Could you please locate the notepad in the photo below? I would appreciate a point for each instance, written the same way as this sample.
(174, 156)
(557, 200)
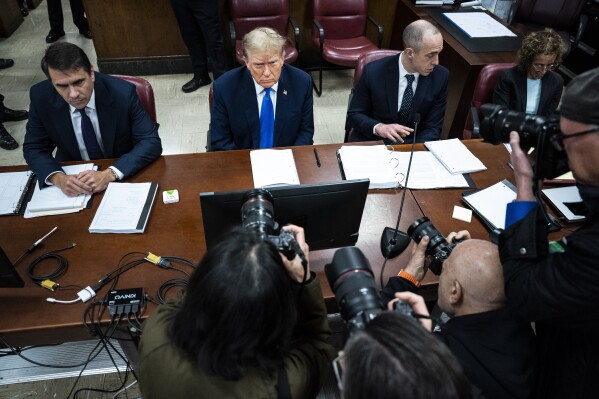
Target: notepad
(455, 156)
(273, 168)
(490, 203)
(125, 208)
(51, 200)
(13, 189)
(388, 169)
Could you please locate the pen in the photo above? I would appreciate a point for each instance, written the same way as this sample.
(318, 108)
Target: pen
(317, 159)
(38, 242)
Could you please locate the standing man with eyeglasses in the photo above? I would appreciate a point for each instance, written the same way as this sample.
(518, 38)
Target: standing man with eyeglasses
(265, 103)
(557, 286)
(530, 86)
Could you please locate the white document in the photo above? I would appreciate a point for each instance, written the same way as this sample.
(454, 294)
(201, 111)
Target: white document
(373, 162)
(388, 169)
(561, 196)
(13, 186)
(125, 208)
(273, 168)
(490, 203)
(427, 172)
(478, 24)
(455, 156)
(52, 201)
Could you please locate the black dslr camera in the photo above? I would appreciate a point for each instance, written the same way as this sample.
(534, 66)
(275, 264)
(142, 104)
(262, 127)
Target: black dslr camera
(257, 215)
(352, 280)
(535, 131)
(438, 248)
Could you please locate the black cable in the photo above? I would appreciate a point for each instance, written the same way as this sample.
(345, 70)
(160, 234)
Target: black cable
(17, 353)
(61, 268)
(166, 286)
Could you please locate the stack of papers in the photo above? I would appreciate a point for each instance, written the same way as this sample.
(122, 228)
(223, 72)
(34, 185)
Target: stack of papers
(455, 156)
(273, 168)
(388, 169)
(52, 201)
(125, 208)
(429, 2)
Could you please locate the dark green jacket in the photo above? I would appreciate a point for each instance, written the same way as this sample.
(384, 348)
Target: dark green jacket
(164, 372)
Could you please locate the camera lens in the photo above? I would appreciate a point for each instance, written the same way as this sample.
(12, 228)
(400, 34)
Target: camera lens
(437, 247)
(352, 281)
(257, 212)
(498, 122)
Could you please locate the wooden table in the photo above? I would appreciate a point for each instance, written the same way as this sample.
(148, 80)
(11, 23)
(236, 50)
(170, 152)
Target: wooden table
(463, 65)
(174, 229)
(177, 230)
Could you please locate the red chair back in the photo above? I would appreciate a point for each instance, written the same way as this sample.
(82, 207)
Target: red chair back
(341, 19)
(247, 15)
(369, 57)
(250, 14)
(557, 14)
(144, 92)
(483, 90)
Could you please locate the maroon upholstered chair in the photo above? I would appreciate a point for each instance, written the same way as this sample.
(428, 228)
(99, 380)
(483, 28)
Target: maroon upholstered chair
(247, 15)
(483, 94)
(362, 61)
(144, 92)
(561, 15)
(339, 31)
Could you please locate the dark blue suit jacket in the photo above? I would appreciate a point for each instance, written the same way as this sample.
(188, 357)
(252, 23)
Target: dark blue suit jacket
(510, 91)
(235, 123)
(127, 131)
(375, 101)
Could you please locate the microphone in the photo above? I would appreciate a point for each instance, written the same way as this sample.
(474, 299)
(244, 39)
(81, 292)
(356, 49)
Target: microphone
(394, 241)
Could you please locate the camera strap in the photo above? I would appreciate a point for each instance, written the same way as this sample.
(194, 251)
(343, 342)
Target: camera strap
(283, 389)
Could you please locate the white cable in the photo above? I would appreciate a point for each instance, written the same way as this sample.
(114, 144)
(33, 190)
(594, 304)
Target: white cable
(57, 301)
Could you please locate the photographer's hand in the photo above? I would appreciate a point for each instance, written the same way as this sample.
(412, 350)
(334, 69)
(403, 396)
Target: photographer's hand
(522, 170)
(461, 235)
(418, 307)
(418, 265)
(294, 267)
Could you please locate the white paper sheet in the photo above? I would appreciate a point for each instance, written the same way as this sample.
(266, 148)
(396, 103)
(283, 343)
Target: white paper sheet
(478, 24)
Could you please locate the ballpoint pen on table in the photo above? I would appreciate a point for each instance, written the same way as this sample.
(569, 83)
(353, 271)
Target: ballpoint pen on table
(317, 158)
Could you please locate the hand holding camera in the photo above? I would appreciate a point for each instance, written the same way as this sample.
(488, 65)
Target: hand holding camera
(522, 170)
(294, 266)
(416, 305)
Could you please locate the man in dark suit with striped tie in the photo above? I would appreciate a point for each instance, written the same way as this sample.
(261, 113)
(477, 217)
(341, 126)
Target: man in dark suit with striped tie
(85, 115)
(392, 90)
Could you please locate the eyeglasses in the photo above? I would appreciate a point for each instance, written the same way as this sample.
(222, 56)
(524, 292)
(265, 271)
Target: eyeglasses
(558, 139)
(338, 370)
(542, 67)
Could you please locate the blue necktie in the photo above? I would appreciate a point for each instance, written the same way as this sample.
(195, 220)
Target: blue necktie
(89, 137)
(267, 121)
(406, 101)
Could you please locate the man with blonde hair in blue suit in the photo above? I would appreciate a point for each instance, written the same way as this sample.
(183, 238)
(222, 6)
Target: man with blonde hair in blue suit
(265, 103)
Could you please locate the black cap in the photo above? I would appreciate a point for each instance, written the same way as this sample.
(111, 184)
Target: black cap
(580, 101)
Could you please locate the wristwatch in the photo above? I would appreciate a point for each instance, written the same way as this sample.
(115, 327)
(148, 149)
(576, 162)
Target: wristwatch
(116, 176)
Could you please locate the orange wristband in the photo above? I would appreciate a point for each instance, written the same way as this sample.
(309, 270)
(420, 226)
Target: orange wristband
(403, 274)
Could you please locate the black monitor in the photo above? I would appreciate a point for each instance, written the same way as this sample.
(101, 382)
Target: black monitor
(330, 213)
(9, 278)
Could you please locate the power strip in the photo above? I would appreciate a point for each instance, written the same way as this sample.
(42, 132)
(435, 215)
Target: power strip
(125, 302)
